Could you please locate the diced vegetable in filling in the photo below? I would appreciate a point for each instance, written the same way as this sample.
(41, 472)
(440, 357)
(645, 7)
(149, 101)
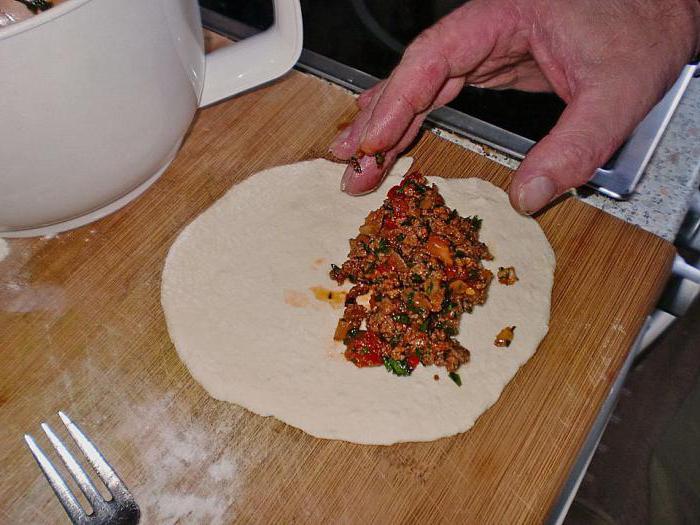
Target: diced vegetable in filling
(505, 336)
(507, 275)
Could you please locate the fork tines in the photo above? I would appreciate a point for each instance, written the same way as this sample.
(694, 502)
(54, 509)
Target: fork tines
(120, 508)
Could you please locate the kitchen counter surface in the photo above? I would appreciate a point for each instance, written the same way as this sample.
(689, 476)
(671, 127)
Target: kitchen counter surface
(671, 178)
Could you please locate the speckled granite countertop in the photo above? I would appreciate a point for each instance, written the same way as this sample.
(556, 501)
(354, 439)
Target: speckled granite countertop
(671, 178)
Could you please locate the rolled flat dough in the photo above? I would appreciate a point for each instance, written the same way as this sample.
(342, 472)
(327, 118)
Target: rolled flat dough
(237, 296)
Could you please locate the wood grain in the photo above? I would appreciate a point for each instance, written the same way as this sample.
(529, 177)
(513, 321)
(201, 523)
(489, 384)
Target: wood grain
(81, 329)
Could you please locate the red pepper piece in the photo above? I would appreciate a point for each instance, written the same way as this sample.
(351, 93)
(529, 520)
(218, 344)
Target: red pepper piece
(413, 361)
(390, 223)
(393, 193)
(366, 350)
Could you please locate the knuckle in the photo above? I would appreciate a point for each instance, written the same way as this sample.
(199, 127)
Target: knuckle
(426, 53)
(578, 149)
(423, 42)
(571, 153)
(577, 152)
(410, 103)
(427, 75)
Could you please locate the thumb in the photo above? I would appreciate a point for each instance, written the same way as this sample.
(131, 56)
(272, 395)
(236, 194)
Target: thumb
(593, 125)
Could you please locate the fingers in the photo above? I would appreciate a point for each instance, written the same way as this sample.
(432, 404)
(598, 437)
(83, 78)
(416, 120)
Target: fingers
(451, 48)
(449, 91)
(372, 175)
(430, 66)
(347, 142)
(366, 97)
(524, 76)
(430, 74)
(592, 127)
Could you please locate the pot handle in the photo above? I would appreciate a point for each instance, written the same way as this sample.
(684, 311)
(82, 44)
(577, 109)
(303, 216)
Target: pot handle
(255, 60)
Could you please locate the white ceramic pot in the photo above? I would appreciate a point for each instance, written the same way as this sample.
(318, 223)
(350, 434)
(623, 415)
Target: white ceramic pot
(96, 96)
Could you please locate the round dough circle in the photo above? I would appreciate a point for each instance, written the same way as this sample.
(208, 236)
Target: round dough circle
(237, 297)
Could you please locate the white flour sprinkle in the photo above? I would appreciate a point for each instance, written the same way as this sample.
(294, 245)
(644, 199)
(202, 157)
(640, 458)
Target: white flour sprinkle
(18, 297)
(174, 450)
(222, 470)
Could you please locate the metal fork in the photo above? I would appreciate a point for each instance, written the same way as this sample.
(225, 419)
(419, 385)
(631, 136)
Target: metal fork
(121, 509)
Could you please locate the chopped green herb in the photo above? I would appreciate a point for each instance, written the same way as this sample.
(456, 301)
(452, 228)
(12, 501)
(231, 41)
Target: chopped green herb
(335, 268)
(416, 278)
(395, 340)
(379, 159)
(424, 326)
(449, 307)
(401, 318)
(476, 221)
(451, 331)
(399, 368)
(407, 221)
(383, 246)
(416, 309)
(419, 187)
(400, 237)
(455, 377)
(453, 215)
(460, 254)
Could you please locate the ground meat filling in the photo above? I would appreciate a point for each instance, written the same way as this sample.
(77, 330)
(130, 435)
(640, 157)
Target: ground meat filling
(419, 264)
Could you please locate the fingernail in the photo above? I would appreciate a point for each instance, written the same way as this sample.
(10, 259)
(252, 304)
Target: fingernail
(340, 138)
(347, 175)
(536, 194)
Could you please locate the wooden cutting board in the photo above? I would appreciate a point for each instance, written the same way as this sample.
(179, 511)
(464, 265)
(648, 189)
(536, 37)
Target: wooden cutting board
(82, 330)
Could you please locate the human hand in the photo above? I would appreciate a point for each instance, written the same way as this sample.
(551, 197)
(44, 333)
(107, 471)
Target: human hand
(609, 61)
